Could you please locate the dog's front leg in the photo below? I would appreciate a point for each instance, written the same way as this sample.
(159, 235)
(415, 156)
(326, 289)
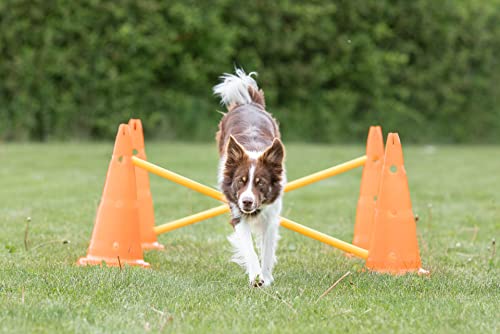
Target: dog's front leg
(270, 237)
(269, 243)
(244, 252)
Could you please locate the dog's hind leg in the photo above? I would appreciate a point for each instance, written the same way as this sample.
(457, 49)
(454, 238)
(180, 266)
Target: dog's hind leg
(244, 252)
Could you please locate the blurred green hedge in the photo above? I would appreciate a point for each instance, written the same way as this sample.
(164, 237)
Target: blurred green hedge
(76, 69)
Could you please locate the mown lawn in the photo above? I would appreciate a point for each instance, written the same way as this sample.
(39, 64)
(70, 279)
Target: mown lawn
(194, 288)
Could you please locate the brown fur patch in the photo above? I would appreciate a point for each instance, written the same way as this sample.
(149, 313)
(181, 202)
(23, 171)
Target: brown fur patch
(235, 170)
(251, 126)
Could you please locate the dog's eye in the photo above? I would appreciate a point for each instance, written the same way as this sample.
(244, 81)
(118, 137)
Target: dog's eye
(259, 182)
(242, 180)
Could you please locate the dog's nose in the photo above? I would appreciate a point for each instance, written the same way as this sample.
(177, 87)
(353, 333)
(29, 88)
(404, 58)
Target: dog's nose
(247, 203)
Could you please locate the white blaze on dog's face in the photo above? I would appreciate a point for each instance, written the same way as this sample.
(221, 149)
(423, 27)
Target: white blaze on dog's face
(252, 179)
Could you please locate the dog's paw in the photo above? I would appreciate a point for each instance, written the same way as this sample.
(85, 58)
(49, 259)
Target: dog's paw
(257, 282)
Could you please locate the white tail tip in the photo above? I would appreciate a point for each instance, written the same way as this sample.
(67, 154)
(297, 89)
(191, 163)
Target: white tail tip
(234, 88)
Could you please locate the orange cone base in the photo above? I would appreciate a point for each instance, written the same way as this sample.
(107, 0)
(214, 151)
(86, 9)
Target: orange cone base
(420, 271)
(401, 271)
(152, 246)
(113, 262)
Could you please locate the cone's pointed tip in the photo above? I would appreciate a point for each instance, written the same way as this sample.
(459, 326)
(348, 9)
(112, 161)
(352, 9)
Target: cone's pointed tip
(394, 150)
(375, 143)
(375, 134)
(123, 141)
(123, 129)
(135, 124)
(393, 139)
(375, 131)
(137, 135)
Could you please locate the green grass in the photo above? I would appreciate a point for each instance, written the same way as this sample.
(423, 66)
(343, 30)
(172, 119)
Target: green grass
(194, 288)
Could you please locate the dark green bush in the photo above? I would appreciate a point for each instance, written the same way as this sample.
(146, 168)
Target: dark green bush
(75, 69)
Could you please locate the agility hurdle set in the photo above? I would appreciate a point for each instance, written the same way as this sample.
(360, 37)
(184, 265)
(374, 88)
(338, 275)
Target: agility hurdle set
(384, 230)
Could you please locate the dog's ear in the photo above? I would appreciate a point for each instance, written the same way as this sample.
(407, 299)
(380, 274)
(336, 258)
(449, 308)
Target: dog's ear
(234, 152)
(274, 154)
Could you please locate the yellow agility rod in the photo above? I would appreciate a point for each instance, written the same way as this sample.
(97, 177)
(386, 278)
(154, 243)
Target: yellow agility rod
(309, 232)
(191, 219)
(321, 175)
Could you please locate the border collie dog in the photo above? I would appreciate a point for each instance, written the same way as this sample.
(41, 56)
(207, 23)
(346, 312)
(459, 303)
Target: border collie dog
(251, 173)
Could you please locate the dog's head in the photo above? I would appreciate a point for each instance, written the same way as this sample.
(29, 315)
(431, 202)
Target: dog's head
(251, 179)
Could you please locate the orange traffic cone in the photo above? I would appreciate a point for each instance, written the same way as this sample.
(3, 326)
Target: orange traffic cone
(116, 239)
(370, 182)
(394, 247)
(144, 198)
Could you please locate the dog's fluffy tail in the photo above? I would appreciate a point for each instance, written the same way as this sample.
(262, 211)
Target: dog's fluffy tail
(239, 89)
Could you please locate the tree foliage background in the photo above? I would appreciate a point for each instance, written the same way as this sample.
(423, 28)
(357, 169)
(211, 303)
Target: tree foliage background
(76, 69)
